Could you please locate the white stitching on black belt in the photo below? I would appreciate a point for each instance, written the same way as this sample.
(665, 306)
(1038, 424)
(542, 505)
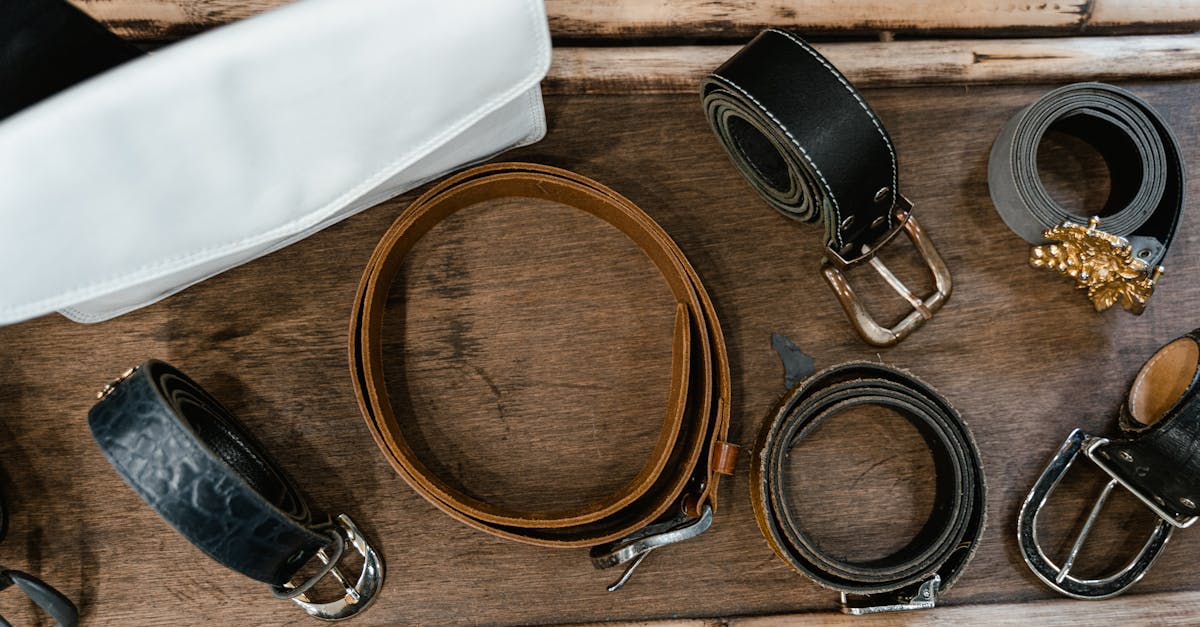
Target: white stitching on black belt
(807, 142)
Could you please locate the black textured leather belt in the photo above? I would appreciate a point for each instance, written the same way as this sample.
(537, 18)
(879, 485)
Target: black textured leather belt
(674, 495)
(49, 45)
(190, 460)
(808, 143)
(1157, 460)
(913, 577)
(1115, 252)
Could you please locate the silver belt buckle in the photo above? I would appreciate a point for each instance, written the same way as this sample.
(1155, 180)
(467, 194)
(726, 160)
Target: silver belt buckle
(637, 545)
(358, 595)
(1059, 577)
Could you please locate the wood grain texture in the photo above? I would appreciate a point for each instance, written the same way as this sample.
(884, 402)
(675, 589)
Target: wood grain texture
(679, 69)
(161, 20)
(529, 347)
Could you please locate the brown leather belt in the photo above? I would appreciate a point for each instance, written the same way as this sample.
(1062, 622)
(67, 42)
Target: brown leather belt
(675, 492)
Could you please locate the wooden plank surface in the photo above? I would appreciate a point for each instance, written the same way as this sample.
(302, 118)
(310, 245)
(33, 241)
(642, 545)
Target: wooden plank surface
(159, 20)
(679, 69)
(527, 347)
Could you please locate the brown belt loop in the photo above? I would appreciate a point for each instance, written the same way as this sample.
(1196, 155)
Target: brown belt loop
(690, 455)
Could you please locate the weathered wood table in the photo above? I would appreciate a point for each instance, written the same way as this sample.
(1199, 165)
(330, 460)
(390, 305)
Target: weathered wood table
(528, 348)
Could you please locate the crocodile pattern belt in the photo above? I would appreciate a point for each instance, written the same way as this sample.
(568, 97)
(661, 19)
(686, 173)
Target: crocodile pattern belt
(1138, 222)
(190, 460)
(808, 143)
(675, 493)
(912, 577)
(1156, 458)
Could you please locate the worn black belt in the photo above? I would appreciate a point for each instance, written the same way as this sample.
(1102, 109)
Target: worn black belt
(1157, 460)
(1116, 251)
(809, 144)
(912, 577)
(190, 460)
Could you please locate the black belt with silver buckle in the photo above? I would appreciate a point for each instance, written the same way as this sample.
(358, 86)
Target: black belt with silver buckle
(1116, 252)
(808, 143)
(1157, 460)
(913, 577)
(190, 460)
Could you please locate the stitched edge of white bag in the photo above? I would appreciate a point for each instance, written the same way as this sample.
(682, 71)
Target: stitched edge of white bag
(163, 267)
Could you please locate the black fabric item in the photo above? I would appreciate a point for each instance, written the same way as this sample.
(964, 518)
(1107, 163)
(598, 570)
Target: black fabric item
(949, 538)
(188, 458)
(1145, 164)
(805, 139)
(48, 45)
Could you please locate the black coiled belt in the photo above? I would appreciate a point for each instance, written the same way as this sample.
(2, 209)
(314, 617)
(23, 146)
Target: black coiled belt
(1147, 182)
(910, 578)
(806, 140)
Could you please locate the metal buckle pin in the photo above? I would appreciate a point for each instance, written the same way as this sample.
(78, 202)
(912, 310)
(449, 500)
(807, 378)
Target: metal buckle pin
(358, 595)
(835, 266)
(1059, 577)
(636, 546)
(924, 597)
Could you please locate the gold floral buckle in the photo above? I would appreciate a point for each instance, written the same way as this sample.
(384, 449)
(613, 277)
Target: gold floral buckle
(1099, 262)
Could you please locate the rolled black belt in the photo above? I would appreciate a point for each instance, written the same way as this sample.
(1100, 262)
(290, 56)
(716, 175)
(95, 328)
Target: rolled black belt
(49, 45)
(912, 577)
(1115, 252)
(808, 143)
(1157, 459)
(190, 460)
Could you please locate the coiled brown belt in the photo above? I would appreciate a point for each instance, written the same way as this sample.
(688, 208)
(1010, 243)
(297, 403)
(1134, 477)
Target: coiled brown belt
(674, 494)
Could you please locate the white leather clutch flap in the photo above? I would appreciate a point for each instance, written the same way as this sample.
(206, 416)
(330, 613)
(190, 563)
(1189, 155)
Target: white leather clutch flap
(172, 168)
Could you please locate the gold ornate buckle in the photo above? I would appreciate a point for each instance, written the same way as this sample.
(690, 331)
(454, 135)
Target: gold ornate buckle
(835, 265)
(1100, 262)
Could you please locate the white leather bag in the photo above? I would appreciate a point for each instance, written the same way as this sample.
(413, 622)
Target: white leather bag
(172, 168)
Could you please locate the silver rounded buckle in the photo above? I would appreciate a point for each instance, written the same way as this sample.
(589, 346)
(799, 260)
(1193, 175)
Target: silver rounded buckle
(1058, 577)
(359, 595)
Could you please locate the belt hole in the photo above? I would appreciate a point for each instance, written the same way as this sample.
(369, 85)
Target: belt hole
(883, 194)
(878, 222)
(847, 223)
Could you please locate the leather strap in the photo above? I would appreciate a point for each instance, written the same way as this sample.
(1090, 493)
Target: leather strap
(49, 45)
(1144, 160)
(947, 541)
(806, 140)
(691, 452)
(1160, 453)
(190, 460)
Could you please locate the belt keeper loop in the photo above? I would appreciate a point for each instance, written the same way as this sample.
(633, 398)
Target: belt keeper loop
(724, 457)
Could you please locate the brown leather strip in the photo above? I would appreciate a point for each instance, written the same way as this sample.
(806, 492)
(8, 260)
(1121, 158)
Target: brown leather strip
(697, 417)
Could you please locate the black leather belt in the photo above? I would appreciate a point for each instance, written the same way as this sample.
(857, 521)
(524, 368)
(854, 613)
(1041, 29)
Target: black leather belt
(1140, 218)
(913, 577)
(806, 140)
(190, 460)
(49, 45)
(53, 602)
(1157, 460)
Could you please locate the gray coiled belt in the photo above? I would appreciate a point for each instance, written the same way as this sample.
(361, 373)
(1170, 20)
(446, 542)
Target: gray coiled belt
(1146, 170)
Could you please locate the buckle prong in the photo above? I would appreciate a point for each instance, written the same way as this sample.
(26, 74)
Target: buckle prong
(358, 594)
(634, 547)
(834, 269)
(1058, 577)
